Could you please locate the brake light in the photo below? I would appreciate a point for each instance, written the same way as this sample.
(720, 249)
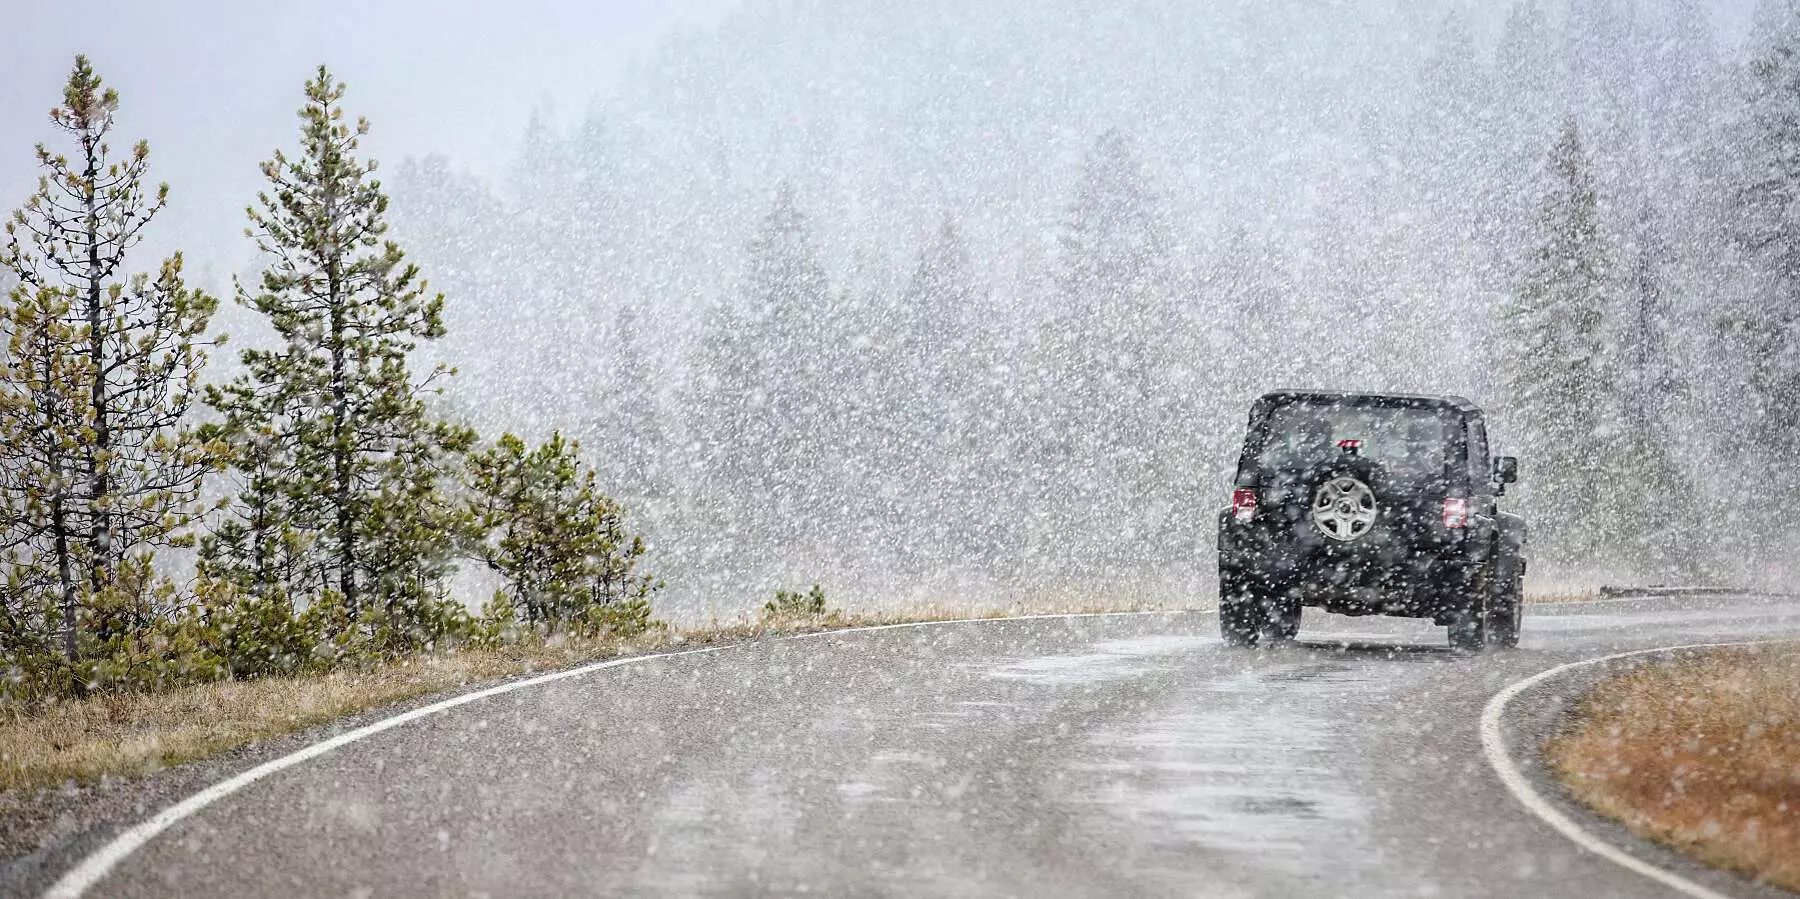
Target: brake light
(1456, 512)
(1243, 503)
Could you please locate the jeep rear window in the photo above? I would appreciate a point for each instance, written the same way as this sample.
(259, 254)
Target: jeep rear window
(1409, 441)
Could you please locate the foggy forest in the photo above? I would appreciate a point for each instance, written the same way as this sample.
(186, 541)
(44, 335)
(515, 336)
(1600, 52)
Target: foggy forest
(930, 302)
(959, 304)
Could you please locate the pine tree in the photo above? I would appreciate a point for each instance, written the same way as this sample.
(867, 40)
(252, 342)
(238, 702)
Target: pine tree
(1450, 124)
(722, 405)
(1765, 335)
(1109, 420)
(102, 370)
(1525, 87)
(760, 403)
(786, 300)
(1648, 381)
(1654, 517)
(626, 430)
(342, 462)
(455, 227)
(41, 412)
(559, 542)
(926, 398)
(1558, 370)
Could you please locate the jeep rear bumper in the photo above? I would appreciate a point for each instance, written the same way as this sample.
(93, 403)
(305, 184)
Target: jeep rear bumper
(1433, 578)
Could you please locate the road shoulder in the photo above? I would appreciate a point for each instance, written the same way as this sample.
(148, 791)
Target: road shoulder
(1519, 723)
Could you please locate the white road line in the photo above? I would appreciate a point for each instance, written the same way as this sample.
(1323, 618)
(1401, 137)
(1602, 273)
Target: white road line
(1494, 747)
(100, 862)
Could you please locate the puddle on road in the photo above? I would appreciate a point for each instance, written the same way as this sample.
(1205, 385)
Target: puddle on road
(700, 829)
(1730, 622)
(1106, 660)
(1248, 772)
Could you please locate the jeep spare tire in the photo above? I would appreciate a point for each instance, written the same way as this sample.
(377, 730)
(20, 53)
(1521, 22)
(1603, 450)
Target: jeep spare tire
(1343, 508)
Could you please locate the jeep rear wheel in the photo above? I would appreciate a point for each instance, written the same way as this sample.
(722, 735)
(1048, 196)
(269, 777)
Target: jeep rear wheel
(1468, 630)
(1281, 620)
(1468, 627)
(1240, 620)
(1505, 603)
(1246, 617)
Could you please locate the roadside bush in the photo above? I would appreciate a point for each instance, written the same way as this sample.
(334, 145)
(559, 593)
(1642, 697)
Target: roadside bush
(137, 633)
(258, 635)
(423, 623)
(537, 517)
(418, 624)
(787, 605)
(168, 652)
(498, 624)
(624, 619)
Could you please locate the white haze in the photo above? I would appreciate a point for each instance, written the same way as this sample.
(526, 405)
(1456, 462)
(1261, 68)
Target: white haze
(563, 170)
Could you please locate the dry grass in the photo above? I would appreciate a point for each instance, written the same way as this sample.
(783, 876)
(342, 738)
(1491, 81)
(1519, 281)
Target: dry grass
(134, 734)
(1702, 754)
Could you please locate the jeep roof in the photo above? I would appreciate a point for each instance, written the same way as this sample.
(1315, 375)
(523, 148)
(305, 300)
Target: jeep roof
(1457, 403)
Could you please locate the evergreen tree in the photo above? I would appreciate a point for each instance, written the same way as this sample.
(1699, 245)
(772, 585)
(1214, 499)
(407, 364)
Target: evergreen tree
(626, 429)
(559, 541)
(1772, 24)
(1648, 381)
(787, 302)
(342, 462)
(1656, 516)
(454, 227)
(595, 204)
(1526, 80)
(1450, 119)
(720, 402)
(1764, 335)
(41, 412)
(101, 467)
(761, 404)
(1597, 49)
(1557, 368)
(930, 397)
(1110, 422)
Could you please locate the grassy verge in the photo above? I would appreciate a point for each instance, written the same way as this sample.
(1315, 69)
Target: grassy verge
(1702, 754)
(134, 734)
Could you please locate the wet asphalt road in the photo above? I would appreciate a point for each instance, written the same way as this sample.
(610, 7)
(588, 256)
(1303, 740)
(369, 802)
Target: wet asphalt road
(1097, 756)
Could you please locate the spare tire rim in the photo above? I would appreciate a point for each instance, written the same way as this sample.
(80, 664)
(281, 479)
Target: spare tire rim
(1343, 508)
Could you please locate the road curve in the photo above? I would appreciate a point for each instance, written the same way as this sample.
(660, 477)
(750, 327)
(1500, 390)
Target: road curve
(1114, 755)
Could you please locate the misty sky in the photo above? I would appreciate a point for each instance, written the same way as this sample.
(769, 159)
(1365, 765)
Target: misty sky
(213, 84)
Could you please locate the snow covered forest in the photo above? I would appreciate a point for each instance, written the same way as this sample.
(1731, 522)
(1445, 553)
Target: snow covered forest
(926, 302)
(937, 301)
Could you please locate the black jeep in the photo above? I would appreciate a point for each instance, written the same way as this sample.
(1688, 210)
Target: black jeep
(1370, 505)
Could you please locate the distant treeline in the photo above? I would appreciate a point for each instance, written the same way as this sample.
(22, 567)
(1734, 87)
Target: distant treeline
(930, 328)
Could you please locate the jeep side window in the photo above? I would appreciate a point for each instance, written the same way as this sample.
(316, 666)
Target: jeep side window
(1480, 469)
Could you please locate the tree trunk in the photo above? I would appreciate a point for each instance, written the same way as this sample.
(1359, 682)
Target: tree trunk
(340, 438)
(100, 530)
(259, 537)
(345, 523)
(66, 578)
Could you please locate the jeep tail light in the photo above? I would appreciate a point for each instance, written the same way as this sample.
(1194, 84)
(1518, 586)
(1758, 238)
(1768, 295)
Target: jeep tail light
(1243, 503)
(1456, 512)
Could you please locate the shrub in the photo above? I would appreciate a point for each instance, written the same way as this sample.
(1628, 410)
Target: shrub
(624, 618)
(787, 604)
(539, 519)
(258, 635)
